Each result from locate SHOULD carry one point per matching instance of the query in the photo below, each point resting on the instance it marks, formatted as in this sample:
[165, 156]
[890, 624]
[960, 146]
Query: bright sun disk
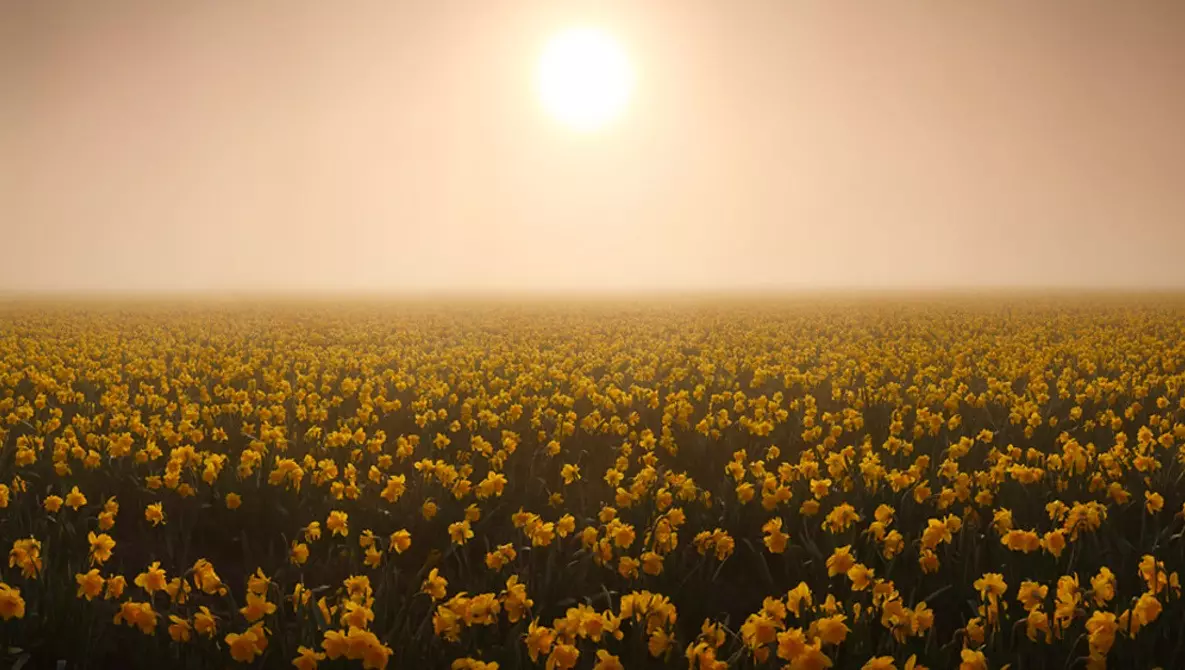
[585, 78]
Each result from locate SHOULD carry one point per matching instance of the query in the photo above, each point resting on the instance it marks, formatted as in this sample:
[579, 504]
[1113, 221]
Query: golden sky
[297, 145]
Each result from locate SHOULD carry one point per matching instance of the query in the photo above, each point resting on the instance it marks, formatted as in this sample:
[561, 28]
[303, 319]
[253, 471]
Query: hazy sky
[268, 145]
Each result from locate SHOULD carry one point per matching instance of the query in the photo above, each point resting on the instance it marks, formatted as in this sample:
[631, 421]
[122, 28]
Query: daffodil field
[925, 483]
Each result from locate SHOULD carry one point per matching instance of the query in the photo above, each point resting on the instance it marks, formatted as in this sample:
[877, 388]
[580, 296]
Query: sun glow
[585, 78]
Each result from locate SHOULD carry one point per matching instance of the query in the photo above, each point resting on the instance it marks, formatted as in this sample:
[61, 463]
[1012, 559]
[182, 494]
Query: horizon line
[495, 294]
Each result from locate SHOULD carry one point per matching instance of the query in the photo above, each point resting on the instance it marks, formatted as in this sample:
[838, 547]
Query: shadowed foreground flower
[563, 657]
[205, 623]
[972, 660]
[539, 640]
[307, 659]
[400, 541]
[115, 586]
[337, 523]
[101, 547]
[152, 580]
[840, 561]
[179, 629]
[607, 661]
[299, 554]
[356, 644]
[26, 553]
[244, 647]
[256, 608]
[132, 613]
[75, 499]
[90, 584]
[206, 579]
[12, 605]
[435, 585]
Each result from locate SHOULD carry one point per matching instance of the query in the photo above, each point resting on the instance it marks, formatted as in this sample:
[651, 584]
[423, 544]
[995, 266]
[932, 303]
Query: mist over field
[295, 147]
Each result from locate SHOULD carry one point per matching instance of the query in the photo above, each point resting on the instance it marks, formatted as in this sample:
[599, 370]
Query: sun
[585, 78]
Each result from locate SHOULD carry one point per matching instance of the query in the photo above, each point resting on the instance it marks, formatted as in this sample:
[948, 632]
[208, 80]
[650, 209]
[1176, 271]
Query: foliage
[808, 485]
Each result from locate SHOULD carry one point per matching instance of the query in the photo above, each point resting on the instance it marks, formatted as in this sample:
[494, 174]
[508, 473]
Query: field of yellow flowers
[854, 484]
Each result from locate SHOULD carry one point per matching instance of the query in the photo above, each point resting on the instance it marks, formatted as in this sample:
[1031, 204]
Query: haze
[292, 146]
